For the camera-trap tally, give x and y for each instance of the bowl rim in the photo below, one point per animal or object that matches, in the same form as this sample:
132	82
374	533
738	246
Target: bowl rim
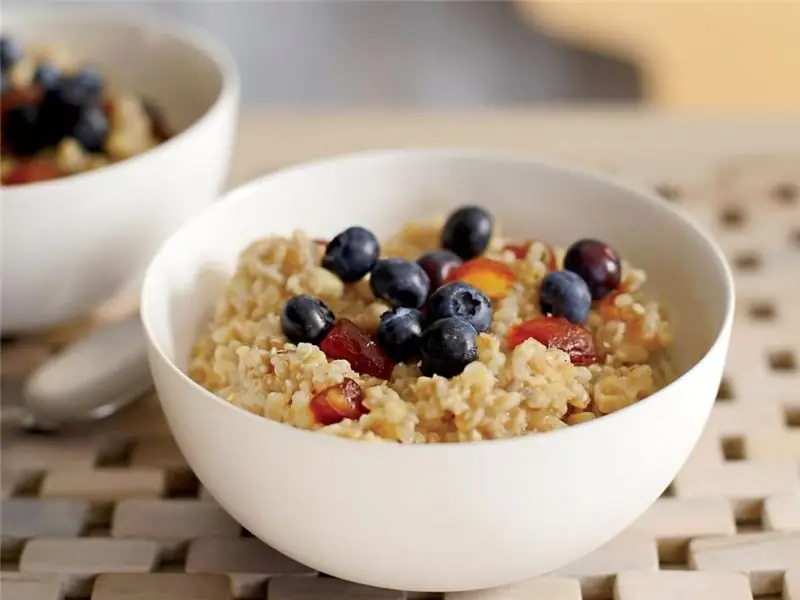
241	193
199	39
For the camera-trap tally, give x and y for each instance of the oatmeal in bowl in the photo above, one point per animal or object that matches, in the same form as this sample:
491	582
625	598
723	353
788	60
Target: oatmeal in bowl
445	332
528	390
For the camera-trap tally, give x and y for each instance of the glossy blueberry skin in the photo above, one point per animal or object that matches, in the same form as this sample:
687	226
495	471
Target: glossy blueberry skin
22	130
306	319
447	346
565	294
399	333
400	282
438	264
10	51
91	130
352	254
467	232
598	265
47	76
459	299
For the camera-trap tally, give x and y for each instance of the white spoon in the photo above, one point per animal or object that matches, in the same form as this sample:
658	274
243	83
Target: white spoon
89	380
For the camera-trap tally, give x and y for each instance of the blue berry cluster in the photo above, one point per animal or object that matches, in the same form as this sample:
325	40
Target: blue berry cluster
430	321
65	105
592	270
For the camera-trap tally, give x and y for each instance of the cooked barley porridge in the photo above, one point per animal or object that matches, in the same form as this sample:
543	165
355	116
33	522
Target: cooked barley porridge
446	332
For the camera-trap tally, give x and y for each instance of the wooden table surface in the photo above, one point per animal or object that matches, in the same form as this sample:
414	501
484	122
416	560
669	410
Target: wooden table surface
113	512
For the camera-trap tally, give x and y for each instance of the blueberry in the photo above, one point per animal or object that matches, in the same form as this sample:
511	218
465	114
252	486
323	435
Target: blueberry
598	265
91	129
10	52
58	117
352	254
447	346
47	76
438	265
400	282
565	294
467	232
399	333
22	130
306	319
81	89
458	299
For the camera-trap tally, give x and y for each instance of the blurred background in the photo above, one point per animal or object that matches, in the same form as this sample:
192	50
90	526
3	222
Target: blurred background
426	54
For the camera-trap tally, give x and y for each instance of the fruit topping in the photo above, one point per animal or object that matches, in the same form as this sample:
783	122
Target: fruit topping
520	251
447	346
459	299
306	319
557	332
30	172
491	277
341	401
22	130
467	232
438	265
352	254
47	76
400	282
91	130
399	333
347	342
565	294
10	52
597	263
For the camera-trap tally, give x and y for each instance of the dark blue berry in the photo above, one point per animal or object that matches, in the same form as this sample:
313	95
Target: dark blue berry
306	319
598	265
399	333
438	265
91	129
47	76
447	346
10	52
22	130
467	232
565	294
458	299
82	88
352	254
400	282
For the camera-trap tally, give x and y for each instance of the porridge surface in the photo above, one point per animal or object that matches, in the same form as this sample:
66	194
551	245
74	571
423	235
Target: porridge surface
511	389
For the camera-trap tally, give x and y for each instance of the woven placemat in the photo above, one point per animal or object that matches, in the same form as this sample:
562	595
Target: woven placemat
114	512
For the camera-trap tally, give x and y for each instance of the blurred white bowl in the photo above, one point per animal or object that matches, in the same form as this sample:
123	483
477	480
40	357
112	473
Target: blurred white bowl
72	243
439	517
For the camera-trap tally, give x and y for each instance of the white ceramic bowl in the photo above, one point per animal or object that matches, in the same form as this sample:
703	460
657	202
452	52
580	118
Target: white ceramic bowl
72	243
439	517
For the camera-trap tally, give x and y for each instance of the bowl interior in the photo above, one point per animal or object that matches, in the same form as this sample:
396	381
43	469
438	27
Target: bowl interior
383	190
174	66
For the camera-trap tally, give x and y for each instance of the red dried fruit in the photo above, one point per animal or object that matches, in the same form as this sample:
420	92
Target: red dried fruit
557	332
520	251
344	400
29	172
13	98
346	341
491	277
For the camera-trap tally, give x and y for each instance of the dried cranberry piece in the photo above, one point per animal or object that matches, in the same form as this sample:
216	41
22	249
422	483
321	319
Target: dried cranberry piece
557	332
30	172
346	341
341	401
